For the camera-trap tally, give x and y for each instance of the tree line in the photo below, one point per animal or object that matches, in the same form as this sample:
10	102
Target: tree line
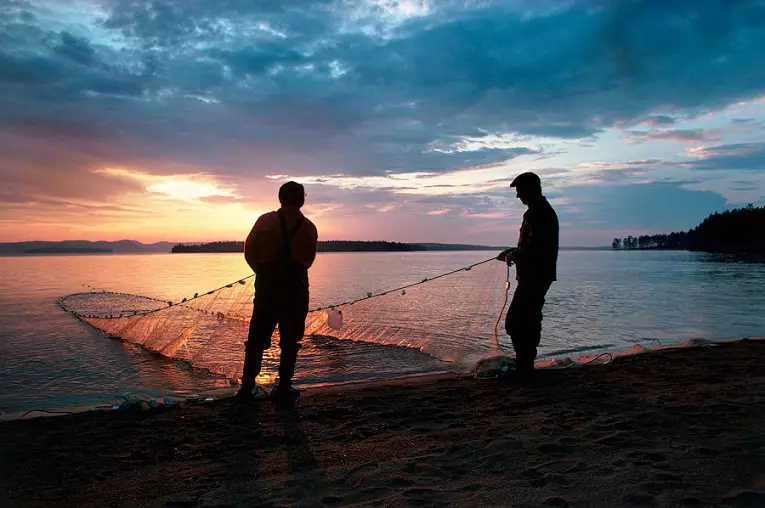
676	240
741	230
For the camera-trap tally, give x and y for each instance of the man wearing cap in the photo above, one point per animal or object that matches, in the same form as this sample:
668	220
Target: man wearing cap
535	260
279	249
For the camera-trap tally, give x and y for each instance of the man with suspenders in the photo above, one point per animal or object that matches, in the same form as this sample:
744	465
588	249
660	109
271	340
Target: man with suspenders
280	248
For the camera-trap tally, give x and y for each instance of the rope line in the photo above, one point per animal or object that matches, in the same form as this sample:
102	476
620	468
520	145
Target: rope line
502	312
184	301
423	281
46	411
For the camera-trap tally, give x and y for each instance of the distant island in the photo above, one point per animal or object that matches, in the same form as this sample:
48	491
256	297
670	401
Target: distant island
83	247
738	231
336	246
68	250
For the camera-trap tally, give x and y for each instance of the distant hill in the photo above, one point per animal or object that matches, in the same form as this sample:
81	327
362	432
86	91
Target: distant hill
77	246
68	250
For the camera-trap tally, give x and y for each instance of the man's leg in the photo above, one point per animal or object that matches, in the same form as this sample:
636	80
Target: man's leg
524	323
291	331
262	325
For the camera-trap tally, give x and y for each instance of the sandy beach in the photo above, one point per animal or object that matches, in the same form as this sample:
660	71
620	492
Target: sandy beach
676	428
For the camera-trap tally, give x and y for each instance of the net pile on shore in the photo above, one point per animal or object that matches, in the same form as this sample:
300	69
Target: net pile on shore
451	316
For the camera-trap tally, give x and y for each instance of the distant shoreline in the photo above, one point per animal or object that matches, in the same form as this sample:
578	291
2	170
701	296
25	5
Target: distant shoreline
337	246
475	249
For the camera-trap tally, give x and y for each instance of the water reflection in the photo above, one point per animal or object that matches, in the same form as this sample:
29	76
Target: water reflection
730	258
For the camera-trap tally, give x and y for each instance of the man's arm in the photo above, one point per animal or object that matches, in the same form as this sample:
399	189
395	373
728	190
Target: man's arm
536	240
505	255
314	242
304	244
521	254
527	243
251	244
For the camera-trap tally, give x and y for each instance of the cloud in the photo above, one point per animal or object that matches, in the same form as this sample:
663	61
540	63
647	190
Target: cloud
77	49
729	157
746	185
658	120
659	207
55	170
677	135
613	172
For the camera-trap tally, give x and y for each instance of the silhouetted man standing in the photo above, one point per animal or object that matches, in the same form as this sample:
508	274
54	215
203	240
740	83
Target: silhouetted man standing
279	249
535	259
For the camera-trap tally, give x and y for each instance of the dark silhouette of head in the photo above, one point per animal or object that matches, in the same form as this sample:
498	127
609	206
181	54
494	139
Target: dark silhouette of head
528	187
292	194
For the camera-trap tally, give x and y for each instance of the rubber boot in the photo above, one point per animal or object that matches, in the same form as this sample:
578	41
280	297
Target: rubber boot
253	361
287	362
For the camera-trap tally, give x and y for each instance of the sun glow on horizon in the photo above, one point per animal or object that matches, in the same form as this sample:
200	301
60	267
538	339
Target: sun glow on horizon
177	207
188	190
183	187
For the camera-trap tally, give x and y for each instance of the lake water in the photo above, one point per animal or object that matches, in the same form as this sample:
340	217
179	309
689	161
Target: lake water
604	300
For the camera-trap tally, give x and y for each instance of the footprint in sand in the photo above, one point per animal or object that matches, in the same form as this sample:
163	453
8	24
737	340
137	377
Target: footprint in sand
653	488
373	495
615	423
503	444
745	499
355	476
669	478
708	452
552	448
647	456
557	502
420	492
554	467
551	479
619	439
639	500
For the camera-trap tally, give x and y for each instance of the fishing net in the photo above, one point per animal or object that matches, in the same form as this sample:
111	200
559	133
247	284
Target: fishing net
451	316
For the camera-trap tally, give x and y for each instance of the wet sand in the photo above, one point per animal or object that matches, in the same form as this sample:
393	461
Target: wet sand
674	428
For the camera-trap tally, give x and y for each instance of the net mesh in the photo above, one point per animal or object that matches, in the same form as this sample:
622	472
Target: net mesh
452	317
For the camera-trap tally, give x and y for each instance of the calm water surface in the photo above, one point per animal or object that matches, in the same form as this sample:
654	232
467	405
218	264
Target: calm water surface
607	300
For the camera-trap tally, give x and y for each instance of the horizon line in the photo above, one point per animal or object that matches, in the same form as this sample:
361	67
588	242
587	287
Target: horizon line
370	241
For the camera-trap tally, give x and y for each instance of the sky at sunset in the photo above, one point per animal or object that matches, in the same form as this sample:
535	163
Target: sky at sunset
406	120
